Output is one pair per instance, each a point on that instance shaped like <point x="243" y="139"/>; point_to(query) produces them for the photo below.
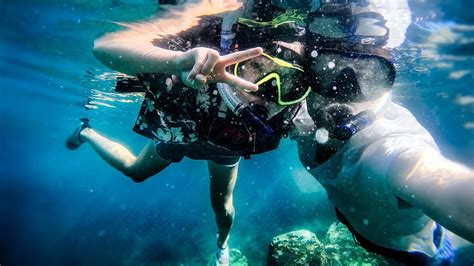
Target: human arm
<point x="443" y="189"/>
<point x="195" y="67"/>
<point x="133" y="56"/>
<point x="135" y="50"/>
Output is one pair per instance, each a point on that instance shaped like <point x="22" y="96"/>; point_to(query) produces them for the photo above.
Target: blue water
<point x="69" y="208"/>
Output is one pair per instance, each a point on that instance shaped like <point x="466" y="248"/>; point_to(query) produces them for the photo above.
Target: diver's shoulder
<point x="397" y="128"/>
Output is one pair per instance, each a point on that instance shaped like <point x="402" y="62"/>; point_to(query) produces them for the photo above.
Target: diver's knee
<point x="224" y="209"/>
<point x="138" y="179"/>
<point x="136" y="176"/>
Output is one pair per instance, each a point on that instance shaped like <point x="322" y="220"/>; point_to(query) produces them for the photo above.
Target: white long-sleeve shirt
<point x="355" y="179"/>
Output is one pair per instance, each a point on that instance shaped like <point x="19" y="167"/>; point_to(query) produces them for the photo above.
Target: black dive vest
<point x="173" y="113"/>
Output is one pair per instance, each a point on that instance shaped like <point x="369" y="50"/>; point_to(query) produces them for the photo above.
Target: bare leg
<point x="223" y="180"/>
<point x="138" y="168"/>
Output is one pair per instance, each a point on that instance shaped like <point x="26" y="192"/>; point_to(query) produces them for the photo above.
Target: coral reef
<point x="296" y="248"/>
<point x="302" y="247"/>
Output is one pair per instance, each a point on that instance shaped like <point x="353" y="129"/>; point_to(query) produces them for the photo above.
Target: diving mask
<point x="279" y="81"/>
<point x="351" y="76"/>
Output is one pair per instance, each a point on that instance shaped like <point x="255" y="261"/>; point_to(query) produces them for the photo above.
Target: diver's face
<point x="350" y="77"/>
<point x="337" y="78"/>
<point x="316" y="102"/>
<point x="271" y="107"/>
<point x="316" y="105"/>
<point x="326" y="112"/>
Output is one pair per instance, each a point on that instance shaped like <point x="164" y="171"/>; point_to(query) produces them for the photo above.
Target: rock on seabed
<point x="302" y="247"/>
<point x="296" y="248"/>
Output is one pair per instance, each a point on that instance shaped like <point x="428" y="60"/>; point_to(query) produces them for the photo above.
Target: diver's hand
<point x="200" y="66"/>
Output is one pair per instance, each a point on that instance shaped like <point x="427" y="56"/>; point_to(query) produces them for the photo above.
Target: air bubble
<point x="322" y="135"/>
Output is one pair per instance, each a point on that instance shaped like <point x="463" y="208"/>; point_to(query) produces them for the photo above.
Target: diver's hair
<point x="172" y="20"/>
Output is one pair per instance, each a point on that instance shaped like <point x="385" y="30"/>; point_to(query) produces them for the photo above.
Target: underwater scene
<point x="63" y="207"/>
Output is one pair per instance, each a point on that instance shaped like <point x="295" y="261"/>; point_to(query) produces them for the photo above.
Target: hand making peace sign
<point x="200" y="66"/>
